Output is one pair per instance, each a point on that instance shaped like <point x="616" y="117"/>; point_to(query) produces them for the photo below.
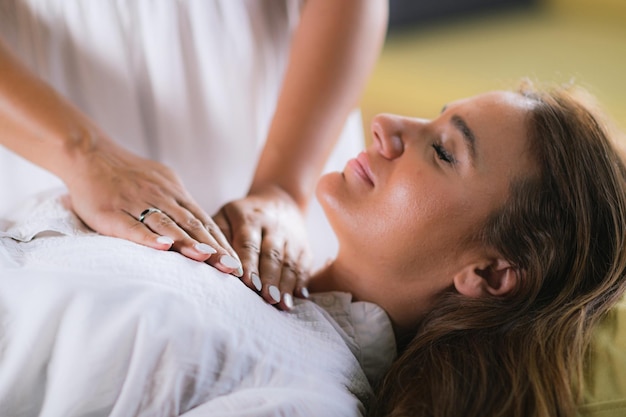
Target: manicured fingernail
<point x="304" y="292"/>
<point x="165" y="240"/>
<point x="274" y="293"/>
<point x="239" y="272"/>
<point x="288" y="300"/>
<point x="204" y="248"/>
<point x="256" y="281"/>
<point x="229" y="262"/>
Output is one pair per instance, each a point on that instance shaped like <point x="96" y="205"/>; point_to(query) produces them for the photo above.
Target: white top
<point x="98" y="326"/>
<point x="191" y="83"/>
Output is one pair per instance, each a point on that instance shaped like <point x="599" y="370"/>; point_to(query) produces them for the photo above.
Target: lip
<point x="361" y="166"/>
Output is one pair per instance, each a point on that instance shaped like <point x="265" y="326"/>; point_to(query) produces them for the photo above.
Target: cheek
<point x="337" y="201"/>
<point x="417" y="222"/>
<point x="342" y="206"/>
<point x="428" y="223"/>
<point x="359" y="217"/>
<point x="409" y="224"/>
<point x="389" y="224"/>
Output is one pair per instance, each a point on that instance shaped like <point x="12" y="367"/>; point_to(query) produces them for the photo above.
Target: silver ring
<point x="148" y="212"/>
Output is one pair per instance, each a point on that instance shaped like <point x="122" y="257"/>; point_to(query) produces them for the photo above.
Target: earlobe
<point x="494" y="278"/>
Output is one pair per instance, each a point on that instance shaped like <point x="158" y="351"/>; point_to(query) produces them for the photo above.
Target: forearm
<point x="333" y="52"/>
<point x="39" y="124"/>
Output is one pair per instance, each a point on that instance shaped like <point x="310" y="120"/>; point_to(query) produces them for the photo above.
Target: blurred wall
<point x="404" y="13"/>
<point x="608" y="9"/>
<point x="429" y="63"/>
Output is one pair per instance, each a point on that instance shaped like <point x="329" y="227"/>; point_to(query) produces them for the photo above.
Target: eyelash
<point x="442" y="154"/>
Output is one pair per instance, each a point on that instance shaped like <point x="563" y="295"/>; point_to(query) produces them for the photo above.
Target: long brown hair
<point x="564" y="228"/>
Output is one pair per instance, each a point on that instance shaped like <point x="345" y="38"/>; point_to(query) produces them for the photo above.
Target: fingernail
<point x="239" y="272"/>
<point x="288" y="300"/>
<point x="165" y="240"/>
<point x="229" y="262"/>
<point x="204" y="248"/>
<point x="256" y="281"/>
<point x="274" y="293"/>
<point x="304" y="292"/>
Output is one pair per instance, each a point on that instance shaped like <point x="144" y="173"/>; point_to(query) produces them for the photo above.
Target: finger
<point x="288" y="279"/>
<point x="302" y="275"/>
<point x="270" y="266"/>
<point x="224" y="234"/>
<point x="246" y="240"/>
<point x="226" y="259"/>
<point x="193" y="221"/>
<point x="247" y="243"/>
<point x="201" y="239"/>
<point x="229" y="252"/>
<point x="294" y="278"/>
<point x="125" y="226"/>
<point x="221" y="220"/>
<point x="162" y="224"/>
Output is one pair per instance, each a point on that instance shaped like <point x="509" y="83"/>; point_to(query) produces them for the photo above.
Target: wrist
<point x="277" y="190"/>
<point x="82" y="150"/>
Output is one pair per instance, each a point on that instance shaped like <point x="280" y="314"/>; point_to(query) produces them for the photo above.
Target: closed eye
<point x="443" y="154"/>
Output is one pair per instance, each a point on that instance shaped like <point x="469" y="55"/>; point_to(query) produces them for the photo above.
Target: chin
<point x="342" y="214"/>
<point x="328" y="192"/>
<point x="327" y="188"/>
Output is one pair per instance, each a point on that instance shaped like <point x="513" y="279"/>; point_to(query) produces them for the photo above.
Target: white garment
<point x="191" y="83"/>
<point x="97" y="326"/>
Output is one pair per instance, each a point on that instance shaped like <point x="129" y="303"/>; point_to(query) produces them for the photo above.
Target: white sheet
<point x="97" y="326"/>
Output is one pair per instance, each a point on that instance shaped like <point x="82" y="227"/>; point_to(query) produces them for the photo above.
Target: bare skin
<point x="402" y="210"/>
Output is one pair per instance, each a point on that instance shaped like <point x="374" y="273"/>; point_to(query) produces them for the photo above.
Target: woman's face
<point x="402" y="209"/>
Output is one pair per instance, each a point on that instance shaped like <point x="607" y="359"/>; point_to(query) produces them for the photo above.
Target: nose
<point x="387" y="136"/>
<point x="391" y="133"/>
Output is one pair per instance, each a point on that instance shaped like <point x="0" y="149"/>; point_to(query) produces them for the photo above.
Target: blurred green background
<point x="430" y="61"/>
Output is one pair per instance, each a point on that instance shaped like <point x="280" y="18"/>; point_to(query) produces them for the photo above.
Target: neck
<point x="338" y="277"/>
<point x="330" y="278"/>
<point x="333" y="277"/>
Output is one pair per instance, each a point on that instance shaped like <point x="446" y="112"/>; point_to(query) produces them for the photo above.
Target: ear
<point x="495" y="277"/>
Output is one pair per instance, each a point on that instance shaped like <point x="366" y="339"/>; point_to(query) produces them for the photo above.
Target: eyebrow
<point x="466" y="132"/>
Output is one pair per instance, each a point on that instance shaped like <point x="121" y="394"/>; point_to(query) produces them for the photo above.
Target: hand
<point x="267" y="230"/>
<point x="110" y="189"/>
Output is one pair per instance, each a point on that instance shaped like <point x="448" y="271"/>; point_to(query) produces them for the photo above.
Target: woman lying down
<point x="482" y="246"/>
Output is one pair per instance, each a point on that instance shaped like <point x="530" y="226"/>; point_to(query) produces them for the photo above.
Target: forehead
<point x="498" y="120"/>
<point x="495" y="103"/>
